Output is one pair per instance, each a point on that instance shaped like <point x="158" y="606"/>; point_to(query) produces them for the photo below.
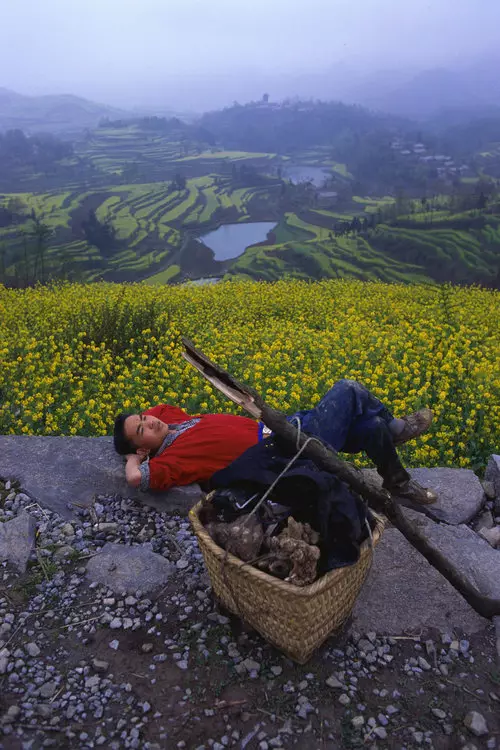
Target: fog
<point x="199" y="54"/>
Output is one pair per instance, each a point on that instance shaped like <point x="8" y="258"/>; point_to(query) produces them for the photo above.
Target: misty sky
<point x="199" y="53"/>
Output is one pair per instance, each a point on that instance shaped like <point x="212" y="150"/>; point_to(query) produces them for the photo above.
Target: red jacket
<point x="211" y="444"/>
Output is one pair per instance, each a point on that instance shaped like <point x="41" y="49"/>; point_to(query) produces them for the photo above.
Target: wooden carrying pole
<point x="326" y="459"/>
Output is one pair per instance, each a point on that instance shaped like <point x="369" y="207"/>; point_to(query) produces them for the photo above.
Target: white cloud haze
<point x="201" y="53"/>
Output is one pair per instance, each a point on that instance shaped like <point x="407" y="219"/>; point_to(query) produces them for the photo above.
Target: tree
<point x="40" y="233"/>
<point x="100" y="234"/>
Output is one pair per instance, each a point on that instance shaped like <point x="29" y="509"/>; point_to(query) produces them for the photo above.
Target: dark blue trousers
<point x="351" y="419"/>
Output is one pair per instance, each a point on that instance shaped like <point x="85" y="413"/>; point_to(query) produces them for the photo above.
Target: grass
<point x="164" y="277"/>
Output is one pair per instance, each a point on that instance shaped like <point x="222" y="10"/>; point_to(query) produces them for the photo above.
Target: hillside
<point x="344" y="193"/>
<point x="61" y="114"/>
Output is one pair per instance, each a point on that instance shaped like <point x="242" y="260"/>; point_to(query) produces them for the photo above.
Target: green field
<point x="160" y="192"/>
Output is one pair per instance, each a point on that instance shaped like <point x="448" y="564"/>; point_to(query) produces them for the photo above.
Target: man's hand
<point x="132" y="471"/>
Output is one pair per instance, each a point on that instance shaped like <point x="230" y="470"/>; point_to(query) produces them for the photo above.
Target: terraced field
<point x="151" y="222"/>
<point x="410" y="254"/>
<point x="159" y="192"/>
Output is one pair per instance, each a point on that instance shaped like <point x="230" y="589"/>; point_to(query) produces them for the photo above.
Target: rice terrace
<point x="133" y="201"/>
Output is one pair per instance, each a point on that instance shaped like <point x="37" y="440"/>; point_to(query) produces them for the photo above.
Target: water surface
<point x="231" y="240"/>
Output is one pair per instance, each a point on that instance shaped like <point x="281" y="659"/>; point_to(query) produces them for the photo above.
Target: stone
<point x="251" y="665"/>
<point x="384" y="603"/>
<point x="358" y="721"/>
<point x="99" y="665"/>
<point x="58" y="472"/>
<point x="380" y="732"/>
<point x="424" y="664"/>
<point x="32" y="649"/>
<point x="465" y="551"/>
<point x="496" y="623"/>
<point x="48" y="689"/>
<point x="334" y="682"/>
<point x="484" y="521"/>
<point x="476" y="723"/>
<point x="439" y="713"/>
<point x="492" y="474"/>
<point x="64" y="551"/>
<point x="489" y="490"/>
<point x="492" y="536"/>
<point x="125" y="569"/>
<point x="460" y="493"/>
<point x="17" y="540"/>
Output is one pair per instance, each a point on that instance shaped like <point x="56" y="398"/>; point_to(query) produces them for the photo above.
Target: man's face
<point x="145" y="431"/>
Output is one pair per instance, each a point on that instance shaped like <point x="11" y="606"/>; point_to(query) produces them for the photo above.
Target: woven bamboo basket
<point x="295" y="619"/>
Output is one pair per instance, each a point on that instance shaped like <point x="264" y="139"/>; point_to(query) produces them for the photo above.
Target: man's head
<point x="133" y="431"/>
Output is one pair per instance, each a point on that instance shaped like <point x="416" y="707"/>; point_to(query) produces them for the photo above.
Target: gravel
<point x="82" y="666"/>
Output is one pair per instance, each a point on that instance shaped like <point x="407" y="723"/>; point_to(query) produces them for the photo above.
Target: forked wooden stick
<point x="378" y="498"/>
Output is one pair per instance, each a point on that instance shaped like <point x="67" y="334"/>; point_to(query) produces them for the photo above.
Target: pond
<point x="231" y="240"/>
<point x="303" y="173"/>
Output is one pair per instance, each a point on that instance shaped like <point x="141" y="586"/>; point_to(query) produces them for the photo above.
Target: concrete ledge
<point x="58" y="472"/>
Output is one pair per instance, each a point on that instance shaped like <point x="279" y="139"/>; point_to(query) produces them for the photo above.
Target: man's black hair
<point x="122" y="444"/>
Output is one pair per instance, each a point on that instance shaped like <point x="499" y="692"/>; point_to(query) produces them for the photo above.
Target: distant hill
<point x="63" y="114"/>
<point x="430" y="92"/>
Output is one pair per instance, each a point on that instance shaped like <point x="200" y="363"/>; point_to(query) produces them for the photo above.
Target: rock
<point x="492" y="474"/>
<point x="17" y="540"/>
<point x="489" y="490"/>
<point x="476" y="723"/>
<point x="334" y="682"/>
<point x="276" y="671"/>
<point x="380" y="732"/>
<point x="358" y="721"/>
<point x="58" y="472"/>
<point x="424" y="664"/>
<point x="106" y="527"/>
<point x="344" y="699"/>
<point x="484" y="521"/>
<point x="251" y="665"/>
<point x="182" y="664"/>
<point x="465" y="551"/>
<point x="68" y="530"/>
<point x="146" y="648"/>
<point x="384" y="605"/>
<point x="99" y="665"/>
<point x="32" y="649"/>
<point x="439" y="713"/>
<point x="48" y="689"/>
<point x="64" y="551"/>
<point x="114" y="644"/>
<point x="125" y="570"/>
<point x="460" y="493"/>
<point x="496" y="623"/>
<point x="492" y="536"/>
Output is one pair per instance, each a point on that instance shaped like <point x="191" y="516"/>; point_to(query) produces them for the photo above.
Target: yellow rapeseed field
<point x="71" y="355"/>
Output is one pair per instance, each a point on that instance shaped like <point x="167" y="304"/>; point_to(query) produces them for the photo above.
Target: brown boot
<point x="413" y="491"/>
<point x="415" y="424"/>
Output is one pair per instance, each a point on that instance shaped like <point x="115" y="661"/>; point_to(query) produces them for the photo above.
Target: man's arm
<point x="132" y="470"/>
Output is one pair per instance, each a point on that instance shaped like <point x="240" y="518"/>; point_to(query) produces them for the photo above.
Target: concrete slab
<point x="460" y="493"/>
<point x="59" y="472"/>
<point x="405" y="594"/>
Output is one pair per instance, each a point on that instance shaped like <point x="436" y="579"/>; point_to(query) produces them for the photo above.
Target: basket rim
<point x="311" y="590"/>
